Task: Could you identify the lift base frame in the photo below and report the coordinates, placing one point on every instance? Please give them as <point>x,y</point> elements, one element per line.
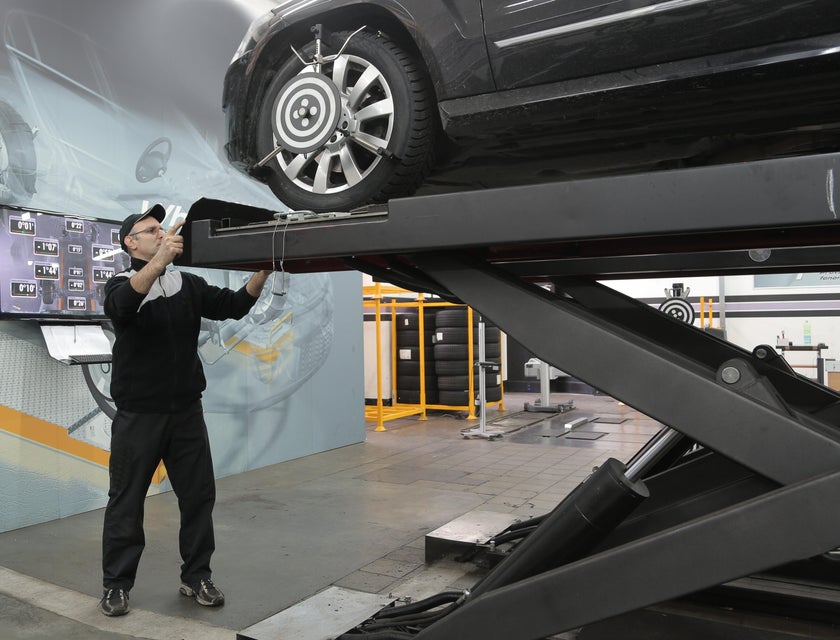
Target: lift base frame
<point>775,431</point>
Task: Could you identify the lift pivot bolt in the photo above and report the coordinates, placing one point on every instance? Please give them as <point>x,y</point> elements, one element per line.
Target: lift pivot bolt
<point>730,375</point>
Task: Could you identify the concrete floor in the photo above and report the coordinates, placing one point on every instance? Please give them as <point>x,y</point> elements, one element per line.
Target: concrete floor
<point>353,517</point>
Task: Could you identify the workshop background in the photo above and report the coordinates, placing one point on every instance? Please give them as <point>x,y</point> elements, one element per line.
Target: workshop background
<point>105,83</point>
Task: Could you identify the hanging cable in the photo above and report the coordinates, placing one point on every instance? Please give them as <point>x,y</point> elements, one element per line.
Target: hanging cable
<point>283,280</point>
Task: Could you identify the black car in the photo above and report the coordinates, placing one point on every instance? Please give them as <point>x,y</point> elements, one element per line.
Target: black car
<point>340,103</point>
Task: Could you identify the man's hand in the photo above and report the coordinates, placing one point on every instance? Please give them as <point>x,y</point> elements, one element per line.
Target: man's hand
<point>171,246</point>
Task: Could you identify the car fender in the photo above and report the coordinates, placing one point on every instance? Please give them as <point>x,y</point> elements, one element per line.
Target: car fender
<point>448,35</point>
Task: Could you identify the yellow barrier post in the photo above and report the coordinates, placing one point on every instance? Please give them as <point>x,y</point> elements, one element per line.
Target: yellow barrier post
<point>380,422</point>
<point>421,327</point>
<point>470,365</point>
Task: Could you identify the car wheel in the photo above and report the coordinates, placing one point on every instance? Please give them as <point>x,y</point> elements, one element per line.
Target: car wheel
<point>98,380</point>
<point>17,157</point>
<point>360,131</point>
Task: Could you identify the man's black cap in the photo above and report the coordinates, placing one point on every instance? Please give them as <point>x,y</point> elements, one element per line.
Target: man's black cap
<point>156,211</point>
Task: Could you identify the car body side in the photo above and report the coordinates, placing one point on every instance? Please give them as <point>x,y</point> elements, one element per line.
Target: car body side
<point>496,64</point>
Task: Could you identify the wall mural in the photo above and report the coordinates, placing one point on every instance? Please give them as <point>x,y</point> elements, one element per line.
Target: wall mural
<point>107,106</point>
<point>81,134</point>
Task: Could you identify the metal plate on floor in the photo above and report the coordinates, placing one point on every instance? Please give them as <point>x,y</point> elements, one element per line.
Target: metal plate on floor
<point>324,616</point>
<point>476,527</point>
<point>585,435</point>
<point>609,420</point>
<point>516,421</point>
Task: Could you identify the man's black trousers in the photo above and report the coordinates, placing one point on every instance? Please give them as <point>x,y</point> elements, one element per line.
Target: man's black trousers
<point>139,441</point>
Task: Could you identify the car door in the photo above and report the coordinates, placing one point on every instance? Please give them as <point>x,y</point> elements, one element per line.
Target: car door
<point>539,41</point>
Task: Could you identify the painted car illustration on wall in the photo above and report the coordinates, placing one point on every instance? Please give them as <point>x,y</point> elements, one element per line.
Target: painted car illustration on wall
<point>87,144</point>
<point>75,134</point>
<point>339,103</point>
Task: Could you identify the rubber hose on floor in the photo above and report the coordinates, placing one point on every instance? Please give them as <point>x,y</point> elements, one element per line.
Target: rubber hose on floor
<point>512,535</point>
<point>416,620</point>
<point>436,600</point>
<point>530,522</point>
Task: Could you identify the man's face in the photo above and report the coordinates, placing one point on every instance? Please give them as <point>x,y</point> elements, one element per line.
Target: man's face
<point>145,238</point>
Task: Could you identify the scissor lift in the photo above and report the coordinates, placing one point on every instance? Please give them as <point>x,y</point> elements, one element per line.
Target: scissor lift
<point>762,490</point>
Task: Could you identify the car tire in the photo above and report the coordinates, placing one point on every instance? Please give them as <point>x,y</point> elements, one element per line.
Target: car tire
<point>413,353</point>
<point>412,396</point>
<point>406,321</point>
<point>452,367</point>
<point>461,351</point>
<point>462,398</point>
<point>459,382</point>
<point>412,338</point>
<point>458,318</point>
<point>460,335</point>
<point>413,382</point>
<point>410,368</point>
<point>17,157</point>
<point>321,169</point>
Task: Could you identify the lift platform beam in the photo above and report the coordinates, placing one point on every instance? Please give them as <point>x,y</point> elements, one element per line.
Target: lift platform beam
<point>701,220</point>
<point>777,431</point>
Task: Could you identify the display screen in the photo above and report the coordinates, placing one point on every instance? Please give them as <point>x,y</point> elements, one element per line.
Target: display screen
<point>54,265</point>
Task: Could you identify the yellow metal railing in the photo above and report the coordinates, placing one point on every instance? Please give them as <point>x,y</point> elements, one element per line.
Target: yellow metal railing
<point>379,413</point>
<point>706,313</point>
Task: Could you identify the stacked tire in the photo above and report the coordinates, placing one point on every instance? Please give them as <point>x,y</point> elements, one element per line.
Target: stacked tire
<point>452,362</point>
<point>408,357</point>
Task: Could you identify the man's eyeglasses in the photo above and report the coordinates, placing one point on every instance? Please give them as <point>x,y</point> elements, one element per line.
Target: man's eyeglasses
<point>150,230</point>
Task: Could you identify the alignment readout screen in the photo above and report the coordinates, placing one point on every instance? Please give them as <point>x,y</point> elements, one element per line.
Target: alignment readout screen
<point>54,265</point>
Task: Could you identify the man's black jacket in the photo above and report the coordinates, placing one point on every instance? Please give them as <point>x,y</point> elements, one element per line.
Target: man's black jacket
<point>156,368</point>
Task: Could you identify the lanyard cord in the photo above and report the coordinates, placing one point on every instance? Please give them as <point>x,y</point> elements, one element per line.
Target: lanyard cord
<point>283,278</point>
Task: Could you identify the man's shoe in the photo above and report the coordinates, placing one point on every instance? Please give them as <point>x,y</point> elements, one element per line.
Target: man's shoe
<point>205,593</point>
<point>114,602</point>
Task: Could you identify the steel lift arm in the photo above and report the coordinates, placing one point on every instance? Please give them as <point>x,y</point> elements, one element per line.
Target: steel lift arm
<point>758,496</point>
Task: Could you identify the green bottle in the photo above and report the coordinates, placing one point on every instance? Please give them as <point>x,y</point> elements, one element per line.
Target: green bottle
<point>806,334</point>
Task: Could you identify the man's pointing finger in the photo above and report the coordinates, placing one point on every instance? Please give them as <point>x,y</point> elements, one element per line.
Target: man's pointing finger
<point>176,227</point>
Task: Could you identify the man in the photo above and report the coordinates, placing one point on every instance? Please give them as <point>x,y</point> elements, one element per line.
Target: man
<point>156,383</point>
